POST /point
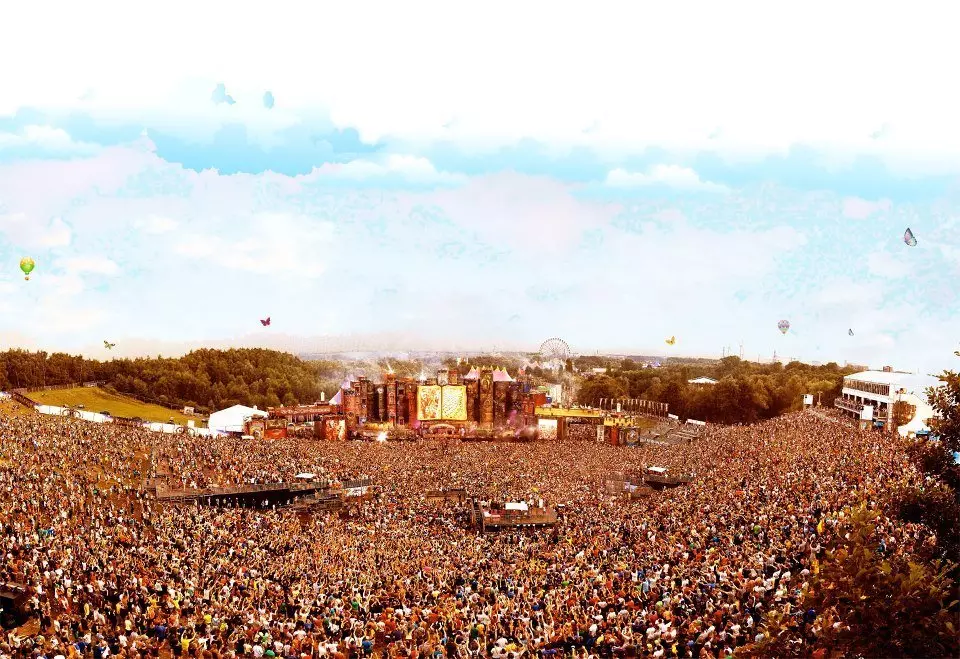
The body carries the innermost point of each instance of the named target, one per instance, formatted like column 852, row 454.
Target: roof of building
column 702, row 380
column 472, row 375
column 912, row 382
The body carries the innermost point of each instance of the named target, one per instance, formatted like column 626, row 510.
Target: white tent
column 232, row 418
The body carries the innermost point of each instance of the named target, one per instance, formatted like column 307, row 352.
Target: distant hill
column 95, row 399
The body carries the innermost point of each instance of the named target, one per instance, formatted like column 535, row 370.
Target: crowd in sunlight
column 686, row 572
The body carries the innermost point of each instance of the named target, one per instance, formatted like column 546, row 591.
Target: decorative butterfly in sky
column 671, row 340
column 108, row 345
column 265, row 322
column 909, row 238
column 850, row 332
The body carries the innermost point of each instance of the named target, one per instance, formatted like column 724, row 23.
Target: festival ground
column 688, row 571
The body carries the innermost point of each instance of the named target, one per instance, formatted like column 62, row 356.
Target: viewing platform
column 489, row 518
column 264, row 494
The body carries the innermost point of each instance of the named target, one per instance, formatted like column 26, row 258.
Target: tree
column 863, row 603
column 903, row 413
column 945, row 401
column 591, row 390
column 937, row 503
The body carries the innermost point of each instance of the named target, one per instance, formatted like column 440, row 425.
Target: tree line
column 206, row 380
column 745, row 392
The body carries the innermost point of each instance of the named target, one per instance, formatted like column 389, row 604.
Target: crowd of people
column 687, row 572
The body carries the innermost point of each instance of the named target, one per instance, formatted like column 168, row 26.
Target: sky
column 483, row 176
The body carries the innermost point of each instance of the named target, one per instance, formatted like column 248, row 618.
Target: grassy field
column 95, row 399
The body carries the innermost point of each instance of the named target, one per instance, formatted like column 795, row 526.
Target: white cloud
column 30, row 233
column 679, row 104
column 91, row 265
column 860, row 209
column 886, row 265
column 156, row 225
column 46, row 138
column 411, row 168
column 674, row 176
column 282, row 245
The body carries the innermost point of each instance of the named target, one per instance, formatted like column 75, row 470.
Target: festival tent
column 338, row 398
column 474, row 374
column 232, row 418
column 501, row 375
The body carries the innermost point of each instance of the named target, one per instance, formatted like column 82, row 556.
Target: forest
column 208, row 380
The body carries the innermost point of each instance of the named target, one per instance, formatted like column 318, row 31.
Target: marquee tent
column 232, row 418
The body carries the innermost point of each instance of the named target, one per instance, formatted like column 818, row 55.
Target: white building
column 870, row 396
column 705, row 381
column 232, row 418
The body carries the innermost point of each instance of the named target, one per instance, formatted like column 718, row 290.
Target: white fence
column 96, row 417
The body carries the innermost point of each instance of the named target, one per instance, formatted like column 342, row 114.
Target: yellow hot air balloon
column 27, row 265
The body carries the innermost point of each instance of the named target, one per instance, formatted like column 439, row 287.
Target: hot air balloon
column 909, row 238
column 27, row 265
column 783, row 326
column 671, row 340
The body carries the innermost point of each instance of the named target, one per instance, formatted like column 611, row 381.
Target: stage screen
column 428, row 403
column 547, row 428
column 454, row 402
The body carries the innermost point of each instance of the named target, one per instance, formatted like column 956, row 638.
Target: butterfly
column 671, row 340
column 850, row 332
column 909, row 238
column 108, row 345
column 265, row 322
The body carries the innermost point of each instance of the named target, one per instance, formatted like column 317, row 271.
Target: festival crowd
column 686, row 572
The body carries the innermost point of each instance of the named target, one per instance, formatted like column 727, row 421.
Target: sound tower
column 500, row 403
column 391, row 386
column 351, row 407
column 473, row 400
column 515, row 399
column 486, row 398
column 411, row 391
column 382, row 403
column 400, row 402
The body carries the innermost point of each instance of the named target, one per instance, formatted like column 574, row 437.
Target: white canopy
column 516, row 505
column 306, row 477
column 232, row 418
column 657, row 470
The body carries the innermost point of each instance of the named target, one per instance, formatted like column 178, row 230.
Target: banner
column 429, row 403
column 453, row 400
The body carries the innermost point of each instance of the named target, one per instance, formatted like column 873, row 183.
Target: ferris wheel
column 555, row 349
